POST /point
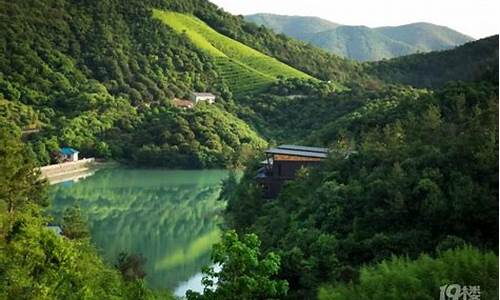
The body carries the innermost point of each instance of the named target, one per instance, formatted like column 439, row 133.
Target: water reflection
column 170, row 217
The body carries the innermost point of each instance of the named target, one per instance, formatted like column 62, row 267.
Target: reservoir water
column 170, row 217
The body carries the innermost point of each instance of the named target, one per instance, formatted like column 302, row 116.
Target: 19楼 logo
column 457, row 292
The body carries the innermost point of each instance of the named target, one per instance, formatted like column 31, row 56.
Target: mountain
column 360, row 42
column 295, row 26
column 425, row 36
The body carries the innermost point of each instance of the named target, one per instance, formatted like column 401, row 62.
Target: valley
column 407, row 185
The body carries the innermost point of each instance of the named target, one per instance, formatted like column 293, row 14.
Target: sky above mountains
column 475, row 18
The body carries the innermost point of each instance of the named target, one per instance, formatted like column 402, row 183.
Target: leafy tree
column 131, row 266
column 245, row 273
column 73, row 225
column 19, row 183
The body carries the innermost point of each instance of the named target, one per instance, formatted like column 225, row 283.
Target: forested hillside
column 419, row 164
column 244, row 69
column 472, row 61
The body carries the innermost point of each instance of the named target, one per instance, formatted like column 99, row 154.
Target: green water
column 170, row 217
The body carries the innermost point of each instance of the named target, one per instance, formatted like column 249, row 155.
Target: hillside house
column 183, row 104
column 282, row 164
column 68, row 154
column 203, row 97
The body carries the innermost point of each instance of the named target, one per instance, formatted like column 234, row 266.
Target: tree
column 73, row 225
column 19, row 179
column 131, row 266
column 246, row 273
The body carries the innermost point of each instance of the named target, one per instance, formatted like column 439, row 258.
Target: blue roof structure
column 67, row 151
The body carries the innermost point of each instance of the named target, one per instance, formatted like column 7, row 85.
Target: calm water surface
column 170, row 217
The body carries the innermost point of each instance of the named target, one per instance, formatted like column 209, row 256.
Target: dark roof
column 67, row 151
column 297, row 153
column 303, row 148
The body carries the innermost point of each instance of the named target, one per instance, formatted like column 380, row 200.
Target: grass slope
column 243, row 68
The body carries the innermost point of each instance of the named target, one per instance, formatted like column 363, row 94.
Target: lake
column 171, row 217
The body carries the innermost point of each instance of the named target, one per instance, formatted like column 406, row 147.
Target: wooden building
column 282, row 164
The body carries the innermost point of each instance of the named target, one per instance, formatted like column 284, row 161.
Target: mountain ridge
column 363, row 43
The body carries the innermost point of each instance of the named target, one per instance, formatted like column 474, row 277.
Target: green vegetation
column 36, row 263
column 360, row 42
column 99, row 76
column 243, row 68
column 245, row 272
column 473, row 61
column 98, row 88
column 297, row 27
column 401, row 278
column 425, row 169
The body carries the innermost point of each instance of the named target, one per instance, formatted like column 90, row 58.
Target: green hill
column 360, row 42
column 295, row 26
column 425, row 36
column 469, row 62
column 243, row 68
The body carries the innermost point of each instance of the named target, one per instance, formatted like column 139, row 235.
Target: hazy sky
column 477, row 18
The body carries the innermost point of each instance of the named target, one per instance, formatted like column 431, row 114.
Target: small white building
column 68, row 154
column 199, row 97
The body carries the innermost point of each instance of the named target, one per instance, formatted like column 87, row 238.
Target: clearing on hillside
column 244, row 69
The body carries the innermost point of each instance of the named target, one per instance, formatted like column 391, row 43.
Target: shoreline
column 80, row 169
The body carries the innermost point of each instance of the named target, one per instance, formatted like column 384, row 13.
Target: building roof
column 204, row 95
column 67, row 151
column 297, row 153
column 183, row 103
column 303, row 148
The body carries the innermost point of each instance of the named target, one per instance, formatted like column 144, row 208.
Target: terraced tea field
column 245, row 70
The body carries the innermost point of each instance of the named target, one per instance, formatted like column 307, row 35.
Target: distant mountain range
column 363, row 43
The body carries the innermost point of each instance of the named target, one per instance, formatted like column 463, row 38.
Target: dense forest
column 423, row 166
column 418, row 193
column 472, row 61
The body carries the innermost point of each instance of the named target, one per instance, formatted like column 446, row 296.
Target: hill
column 106, row 86
column 425, row 36
column 243, row 68
column 360, row 42
column 472, row 61
column 295, row 26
